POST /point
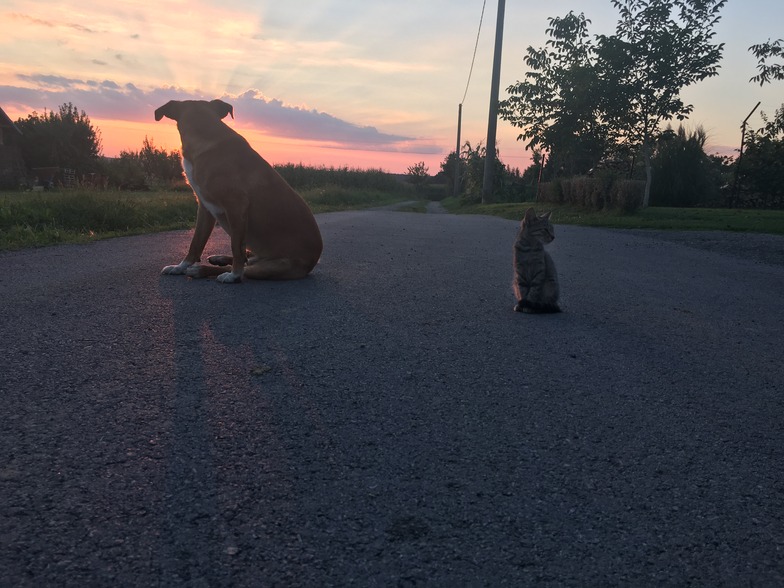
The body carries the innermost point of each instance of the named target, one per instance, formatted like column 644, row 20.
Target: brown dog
column 237, row 188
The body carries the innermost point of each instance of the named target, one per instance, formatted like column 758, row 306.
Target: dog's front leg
column 205, row 223
column 238, row 223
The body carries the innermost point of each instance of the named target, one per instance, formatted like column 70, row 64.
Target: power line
column 460, row 106
column 470, row 71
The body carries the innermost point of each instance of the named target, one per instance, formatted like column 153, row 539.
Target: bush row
column 302, row 177
column 594, row 193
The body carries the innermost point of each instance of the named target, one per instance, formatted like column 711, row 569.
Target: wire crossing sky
column 476, row 45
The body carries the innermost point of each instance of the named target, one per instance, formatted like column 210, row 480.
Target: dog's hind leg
column 224, row 260
column 220, row 260
column 199, row 270
column 277, row 269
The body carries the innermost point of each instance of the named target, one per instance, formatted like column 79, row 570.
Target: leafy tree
column 474, row 158
column 660, row 47
column 418, row 174
column 557, row 106
column 448, row 169
column 507, row 183
column 583, row 100
column 762, row 173
column 160, row 164
column 147, row 169
column 768, row 71
column 65, row 138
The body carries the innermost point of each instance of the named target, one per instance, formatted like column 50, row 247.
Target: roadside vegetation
column 78, row 216
column 596, row 111
column 661, row 218
column 35, row 219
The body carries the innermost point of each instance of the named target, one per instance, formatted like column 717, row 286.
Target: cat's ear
column 546, row 215
column 530, row 215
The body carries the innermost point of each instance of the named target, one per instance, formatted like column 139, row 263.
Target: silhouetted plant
column 683, row 174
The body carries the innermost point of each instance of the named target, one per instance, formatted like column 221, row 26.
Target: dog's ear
column 222, row 108
column 170, row 110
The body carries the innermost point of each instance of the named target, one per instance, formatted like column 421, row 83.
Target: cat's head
column 538, row 226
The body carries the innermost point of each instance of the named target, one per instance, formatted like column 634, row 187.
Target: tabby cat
column 535, row 283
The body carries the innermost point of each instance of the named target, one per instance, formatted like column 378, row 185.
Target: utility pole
column 456, row 190
column 492, row 122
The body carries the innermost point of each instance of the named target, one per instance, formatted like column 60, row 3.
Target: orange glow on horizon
column 124, row 135
column 119, row 135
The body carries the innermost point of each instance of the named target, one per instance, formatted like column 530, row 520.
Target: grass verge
column 38, row 219
column 661, row 218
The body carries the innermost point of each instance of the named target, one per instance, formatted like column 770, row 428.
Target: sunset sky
column 325, row 82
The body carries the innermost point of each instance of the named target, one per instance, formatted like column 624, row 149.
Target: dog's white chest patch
column 187, row 167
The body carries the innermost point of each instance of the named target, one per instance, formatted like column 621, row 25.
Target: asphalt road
column 389, row 421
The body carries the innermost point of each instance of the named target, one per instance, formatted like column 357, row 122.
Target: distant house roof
column 5, row 121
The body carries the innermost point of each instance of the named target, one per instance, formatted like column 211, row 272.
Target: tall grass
column 302, row 177
column 29, row 219
column 35, row 219
column 335, row 198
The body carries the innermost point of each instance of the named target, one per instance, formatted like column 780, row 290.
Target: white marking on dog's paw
column 176, row 270
column 229, row 278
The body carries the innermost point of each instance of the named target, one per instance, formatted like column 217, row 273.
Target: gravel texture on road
column 389, row 421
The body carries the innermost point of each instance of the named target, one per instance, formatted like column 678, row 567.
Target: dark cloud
column 80, row 28
column 49, row 24
column 274, row 117
column 50, row 80
column 109, row 100
column 33, row 20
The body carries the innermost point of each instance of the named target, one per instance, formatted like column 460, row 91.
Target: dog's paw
column 176, row 270
column 229, row 278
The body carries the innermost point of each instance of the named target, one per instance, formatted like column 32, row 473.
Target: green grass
column 35, row 219
column 681, row 219
column 335, row 198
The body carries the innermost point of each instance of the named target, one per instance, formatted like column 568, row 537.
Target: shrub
column 627, row 195
column 683, row 174
column 551, row 192
column 594, row 193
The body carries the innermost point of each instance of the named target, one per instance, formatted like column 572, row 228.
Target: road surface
column 389, row 421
